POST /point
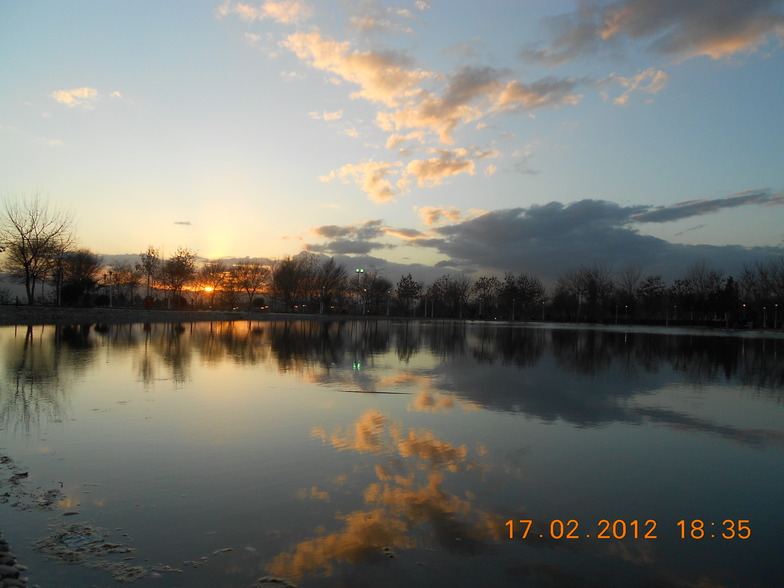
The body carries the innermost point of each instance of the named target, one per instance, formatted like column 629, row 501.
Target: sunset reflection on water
column 395, row 453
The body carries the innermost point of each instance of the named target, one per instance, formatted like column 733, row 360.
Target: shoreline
column 25, row 315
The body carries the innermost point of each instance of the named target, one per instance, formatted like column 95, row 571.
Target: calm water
column 394, row 454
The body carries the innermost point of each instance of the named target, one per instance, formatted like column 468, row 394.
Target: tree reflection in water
column 393, row 474
column 34, row 387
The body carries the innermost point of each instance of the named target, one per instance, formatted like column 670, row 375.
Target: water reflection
column 581, row 376
column 405, row 506
column 32, row 390
column 393, row 453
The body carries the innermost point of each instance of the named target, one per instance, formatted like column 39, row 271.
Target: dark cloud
column 367, row 230
column 346, row 247
column 332, row 231
column 548, row 240
column 677, row 28
column 184, row 223
column 694, row 228
column 699, row 207
column 349, row 239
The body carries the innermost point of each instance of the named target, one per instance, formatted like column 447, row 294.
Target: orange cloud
column 433, row 171
column 656, row 81
column 381, row 77
column 283, row 11
column 372, row 176
column 84, row 97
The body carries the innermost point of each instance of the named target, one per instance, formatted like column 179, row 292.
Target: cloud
column 473, row 93
column 678, row 29
column 432, row 172
column 689, row 208
column 436, row 215
column 327, row 116
column 694, row 228
column 549, row 239
column 548, row 92
column 358, row 239
column 384, row 77
column 84, row 97
column 384, row 180
column 372, row 176
column 407, row 234
column 656, row 81
column 372, row 17
column 346, row 247
column 184, row 223
column 284, row 11
column 367, row 230
column 390, row 79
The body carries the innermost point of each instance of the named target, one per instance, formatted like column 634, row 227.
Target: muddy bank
column 10, row 570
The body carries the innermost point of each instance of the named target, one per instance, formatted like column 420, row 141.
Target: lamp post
column 616, row 314
column 775, row 315
column 626, row 314
column 542, row 310
column 513, row 309
column 764, row 317
column 111, row 282
column 389, row 296
column 360, row 271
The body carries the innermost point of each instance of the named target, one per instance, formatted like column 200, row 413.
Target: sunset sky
column 523, row 135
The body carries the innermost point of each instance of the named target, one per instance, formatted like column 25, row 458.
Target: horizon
column 482, row 139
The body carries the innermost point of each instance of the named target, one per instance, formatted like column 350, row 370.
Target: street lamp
column 360, row 271
column 389, row 296
column 513, row 308
column 764, row 317
column 775, row 315
column 616, row 314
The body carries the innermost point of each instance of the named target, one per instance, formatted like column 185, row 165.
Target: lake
column 392, row 453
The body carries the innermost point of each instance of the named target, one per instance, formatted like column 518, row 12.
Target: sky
column 436, row 136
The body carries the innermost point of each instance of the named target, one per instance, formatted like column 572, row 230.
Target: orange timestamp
column 622, row 529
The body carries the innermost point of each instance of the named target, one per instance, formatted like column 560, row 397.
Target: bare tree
column 178, row 270
column 591, row 287
column 213, row 276
column 150, row 266
column 486, row 292
column 34, row 236
column 332, row 281
column 627, row 280
column 250, row 277
column 294, row 279
column 126, row 280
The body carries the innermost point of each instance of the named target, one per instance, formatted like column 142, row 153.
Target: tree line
column 38, row 246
